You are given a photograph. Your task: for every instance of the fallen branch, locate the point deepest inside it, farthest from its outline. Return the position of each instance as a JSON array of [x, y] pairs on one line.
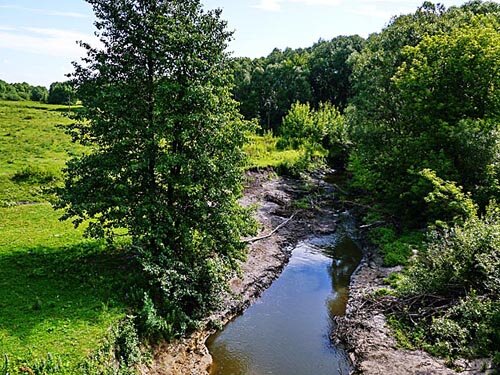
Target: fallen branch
[[273, 231], [380, 222]]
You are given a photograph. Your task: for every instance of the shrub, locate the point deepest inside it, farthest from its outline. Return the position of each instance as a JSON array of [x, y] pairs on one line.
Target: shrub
[[396, 249], [460, 268], [318, 132], [446, 201]]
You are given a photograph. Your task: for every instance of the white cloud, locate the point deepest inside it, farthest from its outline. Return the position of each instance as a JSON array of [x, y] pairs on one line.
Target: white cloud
[[317, 2], [45, 41], [269, 5], [46, 12]]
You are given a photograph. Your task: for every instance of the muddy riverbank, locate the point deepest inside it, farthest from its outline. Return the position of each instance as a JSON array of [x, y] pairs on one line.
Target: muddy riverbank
[[364, 332], [276, 201]]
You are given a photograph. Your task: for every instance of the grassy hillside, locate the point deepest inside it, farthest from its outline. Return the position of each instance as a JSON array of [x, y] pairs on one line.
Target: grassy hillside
[[59, 292], [34, 149]]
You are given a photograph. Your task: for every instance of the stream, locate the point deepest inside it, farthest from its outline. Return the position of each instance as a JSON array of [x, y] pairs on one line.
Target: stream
[[286, 331]]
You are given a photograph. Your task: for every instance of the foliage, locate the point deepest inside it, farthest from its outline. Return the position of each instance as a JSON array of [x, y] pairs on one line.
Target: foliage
[[263, 153], [167, 152], [461, 264], [330, 70], [447, 202], [427, 98], [299, 127], [396, 248], [61, 93], [22, 91], [322, 131], [267, 87]]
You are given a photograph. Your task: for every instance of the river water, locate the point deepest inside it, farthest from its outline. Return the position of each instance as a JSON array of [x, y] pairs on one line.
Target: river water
[[286, 331]]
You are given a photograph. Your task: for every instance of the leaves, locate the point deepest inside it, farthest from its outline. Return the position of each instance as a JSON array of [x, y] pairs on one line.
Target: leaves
[[166, 142]]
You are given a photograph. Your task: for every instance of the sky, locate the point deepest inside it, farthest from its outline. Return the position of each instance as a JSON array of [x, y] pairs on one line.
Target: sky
[[38, 38]]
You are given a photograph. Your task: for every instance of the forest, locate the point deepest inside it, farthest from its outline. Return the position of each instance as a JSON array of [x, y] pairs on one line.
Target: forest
[[157, 133]]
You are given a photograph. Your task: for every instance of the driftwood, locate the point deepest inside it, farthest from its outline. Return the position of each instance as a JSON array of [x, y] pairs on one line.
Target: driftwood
[[273, 231], [380, 222]]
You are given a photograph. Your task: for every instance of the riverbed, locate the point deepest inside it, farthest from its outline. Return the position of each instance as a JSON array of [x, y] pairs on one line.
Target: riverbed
[[286, 331]]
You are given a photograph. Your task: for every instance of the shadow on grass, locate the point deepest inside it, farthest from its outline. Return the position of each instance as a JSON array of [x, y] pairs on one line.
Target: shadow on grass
[[46, 294], [71, 109]]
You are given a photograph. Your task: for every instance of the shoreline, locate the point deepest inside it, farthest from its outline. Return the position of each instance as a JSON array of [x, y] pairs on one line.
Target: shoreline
[[266, 259], [369, 341], [362, 331]]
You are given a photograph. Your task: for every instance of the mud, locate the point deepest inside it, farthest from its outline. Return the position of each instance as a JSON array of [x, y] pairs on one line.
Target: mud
[[366, 336], [363, 331]]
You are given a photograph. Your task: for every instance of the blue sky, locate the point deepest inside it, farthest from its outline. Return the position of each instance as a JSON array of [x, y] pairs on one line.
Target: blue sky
[[37, 38]]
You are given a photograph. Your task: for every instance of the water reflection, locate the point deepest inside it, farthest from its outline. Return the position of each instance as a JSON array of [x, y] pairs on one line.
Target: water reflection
[[346, 258], [286, 331]]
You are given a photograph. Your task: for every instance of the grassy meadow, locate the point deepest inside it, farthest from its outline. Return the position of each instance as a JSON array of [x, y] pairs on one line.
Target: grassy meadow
[[59, 293]]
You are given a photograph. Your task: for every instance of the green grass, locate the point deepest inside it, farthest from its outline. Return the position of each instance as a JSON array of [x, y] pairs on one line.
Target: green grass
[[262, 153], [33, 149], [59, 293]]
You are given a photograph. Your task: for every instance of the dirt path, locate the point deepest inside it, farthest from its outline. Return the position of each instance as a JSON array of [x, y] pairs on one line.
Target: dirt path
[[266, 260]]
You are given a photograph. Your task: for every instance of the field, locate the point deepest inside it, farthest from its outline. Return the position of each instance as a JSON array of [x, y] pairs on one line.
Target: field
[[59, 292]]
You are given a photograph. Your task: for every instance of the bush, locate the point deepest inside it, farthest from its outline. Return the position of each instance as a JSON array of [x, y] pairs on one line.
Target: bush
[[320, 132], [460, 268], [463, 258], [446, 201], [396, 250]]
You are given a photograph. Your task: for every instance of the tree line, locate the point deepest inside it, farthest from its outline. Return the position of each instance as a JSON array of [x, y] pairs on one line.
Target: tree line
[[267, 87], [58, 93]]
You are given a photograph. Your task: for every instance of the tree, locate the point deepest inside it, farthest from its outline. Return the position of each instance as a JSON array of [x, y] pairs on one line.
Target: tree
[[61, 93], [39, 94], [166, 142], [426, 88], [330, 69]]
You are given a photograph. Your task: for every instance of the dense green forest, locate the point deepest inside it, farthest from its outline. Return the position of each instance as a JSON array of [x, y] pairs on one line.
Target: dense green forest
[[267, 87], [410, 117]]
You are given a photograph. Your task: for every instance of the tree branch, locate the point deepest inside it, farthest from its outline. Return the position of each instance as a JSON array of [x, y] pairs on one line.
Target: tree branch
[[273, 231]]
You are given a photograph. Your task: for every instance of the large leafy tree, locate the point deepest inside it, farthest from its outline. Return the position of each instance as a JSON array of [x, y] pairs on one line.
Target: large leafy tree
[[420, 100], [330, 69], [165, 155], [61, 93]]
